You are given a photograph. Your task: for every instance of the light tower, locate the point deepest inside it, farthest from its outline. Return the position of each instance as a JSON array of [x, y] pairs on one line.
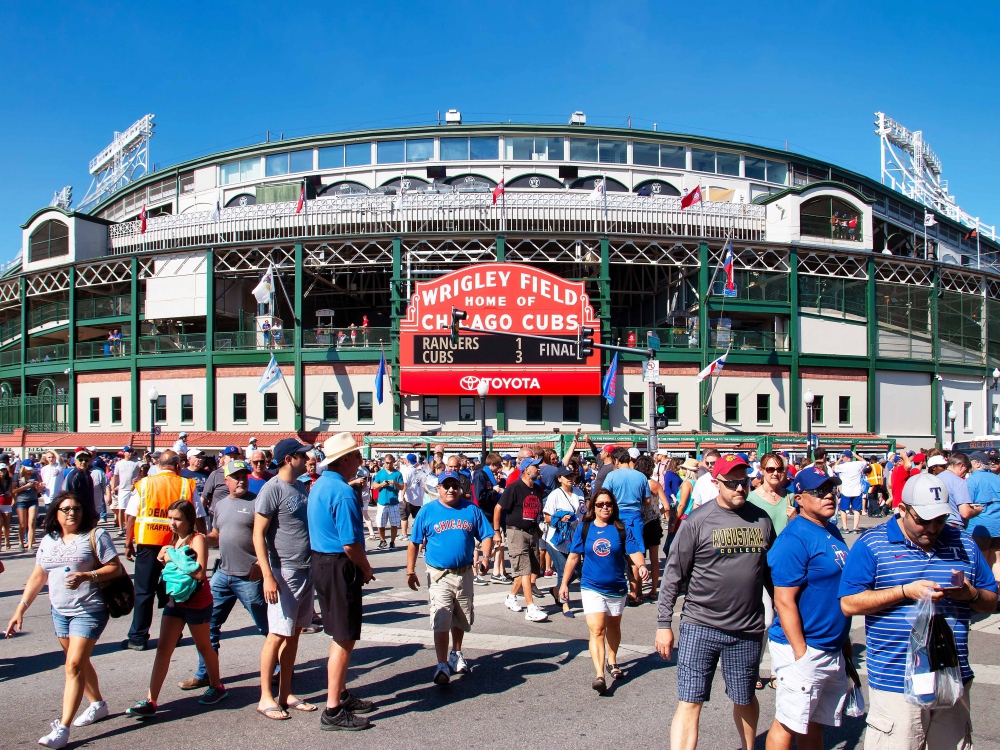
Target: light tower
[[125, 160]]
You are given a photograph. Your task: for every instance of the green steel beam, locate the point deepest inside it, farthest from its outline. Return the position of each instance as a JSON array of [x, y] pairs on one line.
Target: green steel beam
[[71, 390], [794, 339], [23, 291], [704, 421], [501, 414], [209, 340], [396, 313], [501, 249], [871, 313], [299, 374], [936, 393], [604, 311], [134, 346]]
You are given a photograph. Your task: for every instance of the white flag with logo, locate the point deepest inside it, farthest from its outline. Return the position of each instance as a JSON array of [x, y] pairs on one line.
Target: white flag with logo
[[270, 376], [929, 219], [262, 292]]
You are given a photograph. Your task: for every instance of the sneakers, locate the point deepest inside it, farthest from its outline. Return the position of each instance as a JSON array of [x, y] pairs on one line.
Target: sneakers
[[550, 574], [342, 719], [442, 675], [392, 545], [537, 592], [457, 663], [383, 545], [193, 683], [142, 710], [213, 695], [534, 613], [480, 581], [355, 705], [500, 579], [58, 737], [93, 712], [512, 604]]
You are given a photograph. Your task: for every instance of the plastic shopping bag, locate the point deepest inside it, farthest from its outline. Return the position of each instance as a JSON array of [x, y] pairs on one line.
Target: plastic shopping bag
[[933, 677], [854, 706]]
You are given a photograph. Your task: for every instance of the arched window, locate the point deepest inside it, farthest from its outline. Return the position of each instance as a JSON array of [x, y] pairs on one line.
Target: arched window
[[831, 218], [535, 182], [656, 187], [587, 183], [50, 240], [410, 184], [243, 199], [471, 183], [344, 188]]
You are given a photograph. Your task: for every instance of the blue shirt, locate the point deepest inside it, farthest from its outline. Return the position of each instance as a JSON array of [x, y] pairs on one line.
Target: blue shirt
[[604, 564], [984, 489], [882, 558], [450, 533], [630, 488], [958, 494], [334, 514], [671, 484], [388, 495], [811, 557], [254, 484]]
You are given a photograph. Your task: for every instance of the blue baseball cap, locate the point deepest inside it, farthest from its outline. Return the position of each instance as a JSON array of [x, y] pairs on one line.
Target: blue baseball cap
[[29, 462], [446, 475], [127, 449], [230, 450], [289, 447], [810, 479], [526, 462], [411, 457]]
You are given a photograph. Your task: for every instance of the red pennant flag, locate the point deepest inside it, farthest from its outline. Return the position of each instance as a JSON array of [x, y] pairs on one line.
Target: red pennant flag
[[302, 199], [970, 235], [497, 191], [691, 198], [142, 218]]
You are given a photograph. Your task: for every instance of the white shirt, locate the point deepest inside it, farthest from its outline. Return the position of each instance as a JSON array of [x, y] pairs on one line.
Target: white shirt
[[100, 480], [51, 475], [850, 477], [250, 449], [180, 446], [126, 472], [414, 491], [705, 490]]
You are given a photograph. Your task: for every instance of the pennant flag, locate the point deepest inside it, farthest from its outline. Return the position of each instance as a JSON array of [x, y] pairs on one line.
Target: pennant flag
[[713, 368], [691, 198], [262, 292], [380, 377], [610, 384], [216, 212], [498, 191], [727, 266], [719, 195], [270, 376], [302, 199], [142, 218], [598, 192], [929, 219], [970, 235]]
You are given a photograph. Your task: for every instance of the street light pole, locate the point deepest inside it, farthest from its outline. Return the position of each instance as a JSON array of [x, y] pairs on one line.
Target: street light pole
[[154, 396], [952, 415], [483, 388], [809, 398]]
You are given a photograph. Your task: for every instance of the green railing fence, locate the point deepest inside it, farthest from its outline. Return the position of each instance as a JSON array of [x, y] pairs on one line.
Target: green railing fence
[[253, 340], [103, 307], [102, 348], [330, 338], [47, 353], [54, 311], [172, 343]]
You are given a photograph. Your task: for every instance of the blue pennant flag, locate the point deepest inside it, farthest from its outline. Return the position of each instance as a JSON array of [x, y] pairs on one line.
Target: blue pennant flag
[[270, 376], [609, 387], [379, 377]]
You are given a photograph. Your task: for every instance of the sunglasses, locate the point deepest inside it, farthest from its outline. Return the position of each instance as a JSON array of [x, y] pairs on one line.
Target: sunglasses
[[451, 487], [821, 491], [773, 469], [710, 464], [259, 462], [71, 509], [604, 505], [940, 521], [735, 483]]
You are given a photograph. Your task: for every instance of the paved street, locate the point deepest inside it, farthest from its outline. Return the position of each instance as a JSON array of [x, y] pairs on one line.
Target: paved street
[[530, 682]]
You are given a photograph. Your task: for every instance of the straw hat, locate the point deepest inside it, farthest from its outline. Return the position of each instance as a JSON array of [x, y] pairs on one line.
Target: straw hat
[[339, 445], [691, 464]]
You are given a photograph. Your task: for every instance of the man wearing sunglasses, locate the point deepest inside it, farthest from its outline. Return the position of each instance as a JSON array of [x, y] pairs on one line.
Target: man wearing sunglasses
[[705, 489], [450, 528], [720, 556], [887, 572], [259, 473]]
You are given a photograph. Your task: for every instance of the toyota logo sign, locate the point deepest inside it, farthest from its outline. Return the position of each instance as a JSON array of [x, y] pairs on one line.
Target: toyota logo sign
[[469, 383]]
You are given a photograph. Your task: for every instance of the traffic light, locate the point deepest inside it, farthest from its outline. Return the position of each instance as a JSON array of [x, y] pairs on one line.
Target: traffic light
[[456, 316], [660, 404], [584, 343]]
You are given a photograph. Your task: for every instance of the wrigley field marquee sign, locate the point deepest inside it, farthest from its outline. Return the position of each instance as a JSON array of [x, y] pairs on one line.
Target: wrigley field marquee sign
[[507, 297]]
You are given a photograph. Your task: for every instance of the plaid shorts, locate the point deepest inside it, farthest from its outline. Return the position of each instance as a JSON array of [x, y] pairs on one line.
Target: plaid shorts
[[387, 516], [698, 654]]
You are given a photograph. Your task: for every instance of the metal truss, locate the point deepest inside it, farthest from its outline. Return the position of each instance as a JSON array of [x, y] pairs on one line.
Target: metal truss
[[441, 250], [147, 266], [553, 250], [652, 252], [10, 291], [956, 281], [56, 280], [992, 288], [106, 272], [254, 258], [125, 160], [753, 258], [833, 265], [897, 272], [357, 252]]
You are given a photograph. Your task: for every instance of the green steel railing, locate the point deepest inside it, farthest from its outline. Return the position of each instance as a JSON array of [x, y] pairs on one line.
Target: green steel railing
[[253, 340], [340, 338], [670, 338], [742, 341], [10, 413], [103, 307], [54, 311], [10, 330], [102, 348], [47, 413], [172, 343], [10, 357], [48, 353]]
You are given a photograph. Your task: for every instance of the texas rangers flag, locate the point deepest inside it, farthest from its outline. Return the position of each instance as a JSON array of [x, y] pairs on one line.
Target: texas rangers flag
[[691, 198], [302, 199], [142, 218], [727, 266], [498, 191], [713, 368], [270, 376], [610, 384]]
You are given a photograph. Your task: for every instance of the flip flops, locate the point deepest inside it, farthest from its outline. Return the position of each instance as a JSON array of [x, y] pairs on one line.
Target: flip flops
[[300, 705], [270, 711]]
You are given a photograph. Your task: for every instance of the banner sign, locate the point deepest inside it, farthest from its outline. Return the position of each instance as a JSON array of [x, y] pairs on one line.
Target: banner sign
[[508, 297]]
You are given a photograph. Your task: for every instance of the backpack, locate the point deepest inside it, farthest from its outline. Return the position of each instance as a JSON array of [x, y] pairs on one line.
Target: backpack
[[621, 536]]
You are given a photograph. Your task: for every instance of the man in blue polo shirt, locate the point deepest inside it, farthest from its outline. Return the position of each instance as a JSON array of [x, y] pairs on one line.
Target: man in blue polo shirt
[[450, 529], [889, 569], [984, 489]]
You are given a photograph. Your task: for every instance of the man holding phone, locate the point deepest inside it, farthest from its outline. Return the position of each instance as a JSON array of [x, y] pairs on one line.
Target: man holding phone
[[956, 468]]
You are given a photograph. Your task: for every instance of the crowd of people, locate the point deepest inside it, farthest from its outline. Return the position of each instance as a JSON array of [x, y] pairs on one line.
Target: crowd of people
[[752, 545]]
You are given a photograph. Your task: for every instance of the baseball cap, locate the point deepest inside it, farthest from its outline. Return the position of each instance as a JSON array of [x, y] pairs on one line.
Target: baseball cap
[[506, 457], [289, 447], [565, 471], [230, 450], [726, 464], [195, 452], [234, 466], [182, 434], [81, 452], [936, 461], [976, 456], [446, 475], [994, 455], [411, 457], [810, 479], [917, 458], [127, 449], [608, 448], [254, 440], [633, 453], [927, 495], [526, 462], [847, 454]]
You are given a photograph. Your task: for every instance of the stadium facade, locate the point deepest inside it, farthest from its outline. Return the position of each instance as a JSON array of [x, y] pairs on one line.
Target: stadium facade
[[840, 290]]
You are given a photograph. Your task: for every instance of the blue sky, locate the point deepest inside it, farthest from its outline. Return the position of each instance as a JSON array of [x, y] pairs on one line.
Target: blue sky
[[218, 75]]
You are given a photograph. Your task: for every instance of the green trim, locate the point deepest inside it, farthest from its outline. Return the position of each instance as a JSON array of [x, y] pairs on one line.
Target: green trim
[[299, 389], [501, 249], [210, 340], [604, 306], [69, 215], [937, 415], [871, 312], [704, 420], [71, 390], [397, 311], [132, 359], [795, 333], [763, 200], [23, 292], [501, 413]]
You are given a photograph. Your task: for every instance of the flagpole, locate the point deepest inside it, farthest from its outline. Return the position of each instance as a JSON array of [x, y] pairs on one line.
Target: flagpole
[[503, 199], [294, 403], [604, 189], [711, 393], [979, 263]]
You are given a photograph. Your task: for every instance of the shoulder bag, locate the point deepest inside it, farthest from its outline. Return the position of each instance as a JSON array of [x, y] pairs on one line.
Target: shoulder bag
[[118, 592]]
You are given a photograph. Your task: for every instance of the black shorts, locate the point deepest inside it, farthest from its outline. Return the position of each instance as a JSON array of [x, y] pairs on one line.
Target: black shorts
[[337, 581], [652, 533], [191, 616]]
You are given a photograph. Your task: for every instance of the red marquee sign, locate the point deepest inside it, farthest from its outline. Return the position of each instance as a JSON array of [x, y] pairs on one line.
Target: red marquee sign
[[508, 297]]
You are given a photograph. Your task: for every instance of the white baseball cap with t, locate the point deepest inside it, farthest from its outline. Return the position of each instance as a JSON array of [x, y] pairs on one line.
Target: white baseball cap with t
[[936, 460], [927, 495]]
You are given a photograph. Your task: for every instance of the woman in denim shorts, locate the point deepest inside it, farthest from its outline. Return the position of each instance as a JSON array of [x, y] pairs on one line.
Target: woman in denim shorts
[[195, 611], [66, 560]]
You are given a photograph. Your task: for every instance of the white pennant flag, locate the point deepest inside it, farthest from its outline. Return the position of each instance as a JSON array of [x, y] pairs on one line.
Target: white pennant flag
[[270, 376], [598, 191], [216, 212], [929, 219], [262, 292]]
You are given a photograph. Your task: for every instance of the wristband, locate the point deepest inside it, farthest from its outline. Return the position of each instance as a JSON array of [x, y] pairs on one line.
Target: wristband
[[976, 597], [25, 604], [411, 572], [902, 590]]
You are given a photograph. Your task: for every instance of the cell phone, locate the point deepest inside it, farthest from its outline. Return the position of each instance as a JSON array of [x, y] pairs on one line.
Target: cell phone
[[957, 581]]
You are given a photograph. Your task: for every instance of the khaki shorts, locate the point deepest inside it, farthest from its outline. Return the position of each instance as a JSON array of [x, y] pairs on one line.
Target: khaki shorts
[[522, 551], [894, 724], [810, 689], [450, 597]]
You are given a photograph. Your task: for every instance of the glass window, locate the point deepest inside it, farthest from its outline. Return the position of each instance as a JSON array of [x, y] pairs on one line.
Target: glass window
[[635, 411], [50, 240], [646, 153], [583, 149], [270, 407], [239, 407], [454, 149], [251, 169], [571, 409], [487, 147], [535, 149], [673, 409], [161, 410], [727, 163], [830, 218], [777, 171], [95, 410], [845, 410], [763, 408], [754, 168], [533, 408], [331, 157], [116, 410], [429, 411], [300, 161], [673, 156], [357, 154], [187, 408], [818, 409], [702, 161], [391, 152], [420, 149], [732, 407], [467, 409], [331, 407], [276, 164], [967, 416], [229, 173], [996, 416], [613, 152], [365, 406]]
